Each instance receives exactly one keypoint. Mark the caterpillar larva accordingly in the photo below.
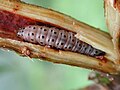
(56, 38)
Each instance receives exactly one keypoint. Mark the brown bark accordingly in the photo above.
(104, 80)
(112, 15)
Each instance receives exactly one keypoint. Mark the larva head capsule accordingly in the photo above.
(20, 33)
(28, 34)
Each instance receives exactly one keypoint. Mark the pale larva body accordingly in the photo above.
(56, 38)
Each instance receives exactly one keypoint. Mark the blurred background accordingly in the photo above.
(20, 73)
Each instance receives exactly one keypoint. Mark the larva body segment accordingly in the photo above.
(56, 38)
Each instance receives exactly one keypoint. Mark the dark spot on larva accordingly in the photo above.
(48, 40)
(62, 43)
(42, 36)
(24, 28)
(51, 30)
(41, 42)
(57, 43)
(50, 45)
(61, 33)
(64, 36)
(70, 36)
(39, 37)
(83, 45)
(22, 31)
(29, 26)
(69, 47)
(85, 48)
(73, 40)
(45, 29)
(96, 51)
(31, 39)
(55, 32)
(33, 34)
(28, 34)
(41, 28)
(52, 40)
(34, 28)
